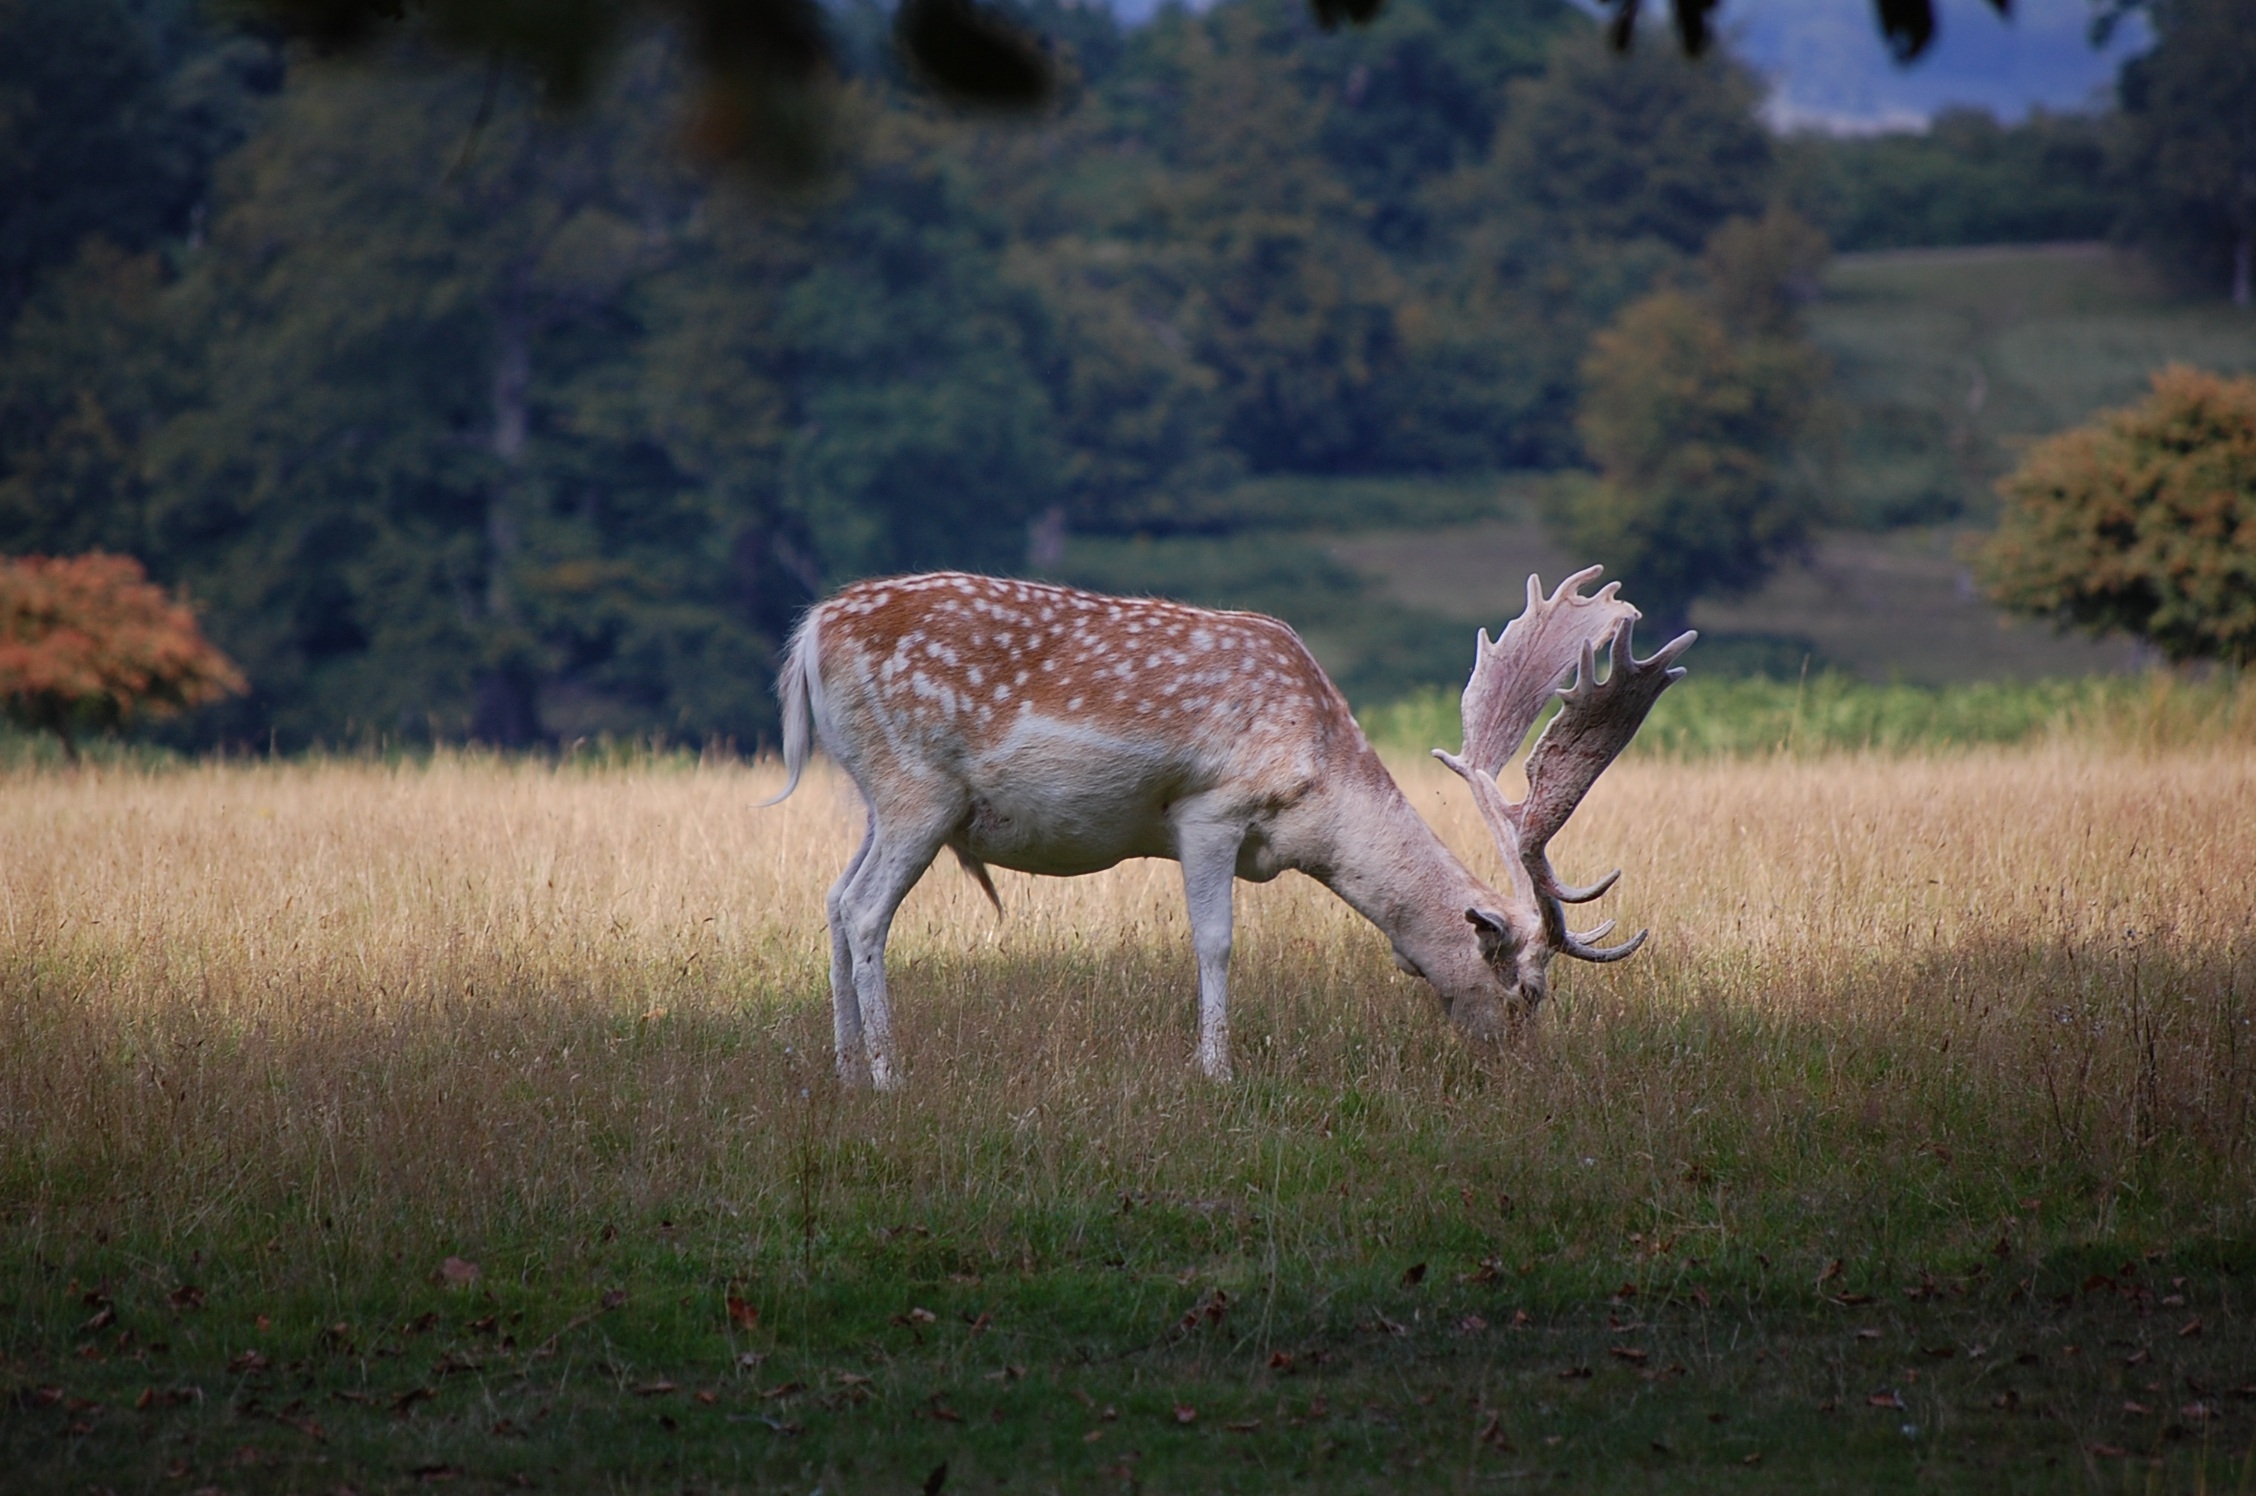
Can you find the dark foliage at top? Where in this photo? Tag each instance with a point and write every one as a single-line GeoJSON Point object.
{"type": "Point", "coordinates": [463, 413]}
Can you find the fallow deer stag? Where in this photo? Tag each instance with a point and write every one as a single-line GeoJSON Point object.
{"type": "Point", "coordinates": [1056, 731]}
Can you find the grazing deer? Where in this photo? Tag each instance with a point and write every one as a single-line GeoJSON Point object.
{"type": "Point", "coordinates": [1056, 731]}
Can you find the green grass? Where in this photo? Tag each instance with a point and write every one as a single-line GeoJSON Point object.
{"type": "Point", "coordinates": [1827, 712]}
{"type": "Point", "coordinates": [1349, 1291]}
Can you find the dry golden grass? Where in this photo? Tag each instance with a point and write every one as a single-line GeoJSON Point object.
{"type": "Point", "coordinates": [429, 1002]}
{"type": "Point", "coordinates": [1972, 1029]}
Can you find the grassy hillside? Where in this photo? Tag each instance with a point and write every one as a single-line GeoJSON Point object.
{"type": "Point", "coordinates": [1897, 606]}
{"type": "Point", "coordinates": [1951, 361]}
{"type": "Point", "coordinates": [1392, 610]}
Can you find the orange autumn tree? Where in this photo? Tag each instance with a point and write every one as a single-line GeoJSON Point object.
{"type": "Point", "coordinates": [2141, 523]}
{"type": "Point", "coordinates": [89, 642]}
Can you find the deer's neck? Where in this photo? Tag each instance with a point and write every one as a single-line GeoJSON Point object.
{"type": "Point", "coordinates": [1382, 858]}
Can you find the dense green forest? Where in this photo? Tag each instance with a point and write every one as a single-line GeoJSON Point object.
{"type": "Point", "coordinates": [462, 416]}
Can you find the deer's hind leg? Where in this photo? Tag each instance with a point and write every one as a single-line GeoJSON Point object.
{"type": "Point", "coordinates": [845, 1007]}
{"type": "Point", "coordinates": [900, 848]}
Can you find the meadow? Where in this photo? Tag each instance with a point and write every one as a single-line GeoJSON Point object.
{"type": "Point", "coordinates": [375, 1125]}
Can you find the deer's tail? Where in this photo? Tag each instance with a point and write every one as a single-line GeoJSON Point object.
{"type": "Point", "coordinates": [799, 688]}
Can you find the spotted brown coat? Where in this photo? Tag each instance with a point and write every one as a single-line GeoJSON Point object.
{"type": "Point", "coordinates": [1056, 731]}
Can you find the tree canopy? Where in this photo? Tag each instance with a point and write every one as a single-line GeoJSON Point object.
{"type": "Point", "coordinates": [464, 415]}
{"type": "Point", "coordinates": [86, 643]}
{"type": "Point", "coordinates": [764, 72]}
{"type": "Point", "coordinates": [2141, 523]}
{"type": "Point", "coordinates": [1698, 408]}
{"type": "Point", "coordinates": [2190, 105]}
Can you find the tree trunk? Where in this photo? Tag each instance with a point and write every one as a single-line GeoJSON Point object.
{"type": "Point", "coordinates": [1045, 540]}
{"type": "Point", "coordinates": [506, 709]}
{"type": "Point", "coordinates": [506, 712]}
{"type": "Point", "coordinates": [512, 384]}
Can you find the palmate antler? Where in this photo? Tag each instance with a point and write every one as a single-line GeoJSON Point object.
{"type": "Point", "coordinates": [1512, 679]}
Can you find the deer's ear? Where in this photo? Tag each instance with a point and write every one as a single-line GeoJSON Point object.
{"type": "Point", "coordinates": [1494, 933]}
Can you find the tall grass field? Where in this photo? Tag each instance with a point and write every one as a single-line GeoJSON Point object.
{"type": "Point", "coordinates": [469, 1124]}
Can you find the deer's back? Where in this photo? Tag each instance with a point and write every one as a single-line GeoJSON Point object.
{"type": "Point", "coordinates": [1072, 721]}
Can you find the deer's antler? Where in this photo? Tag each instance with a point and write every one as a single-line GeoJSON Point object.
{"type": "Point", "coordinates": [1514, 676]}
{"type": "Point", "coordinates": [1595, 723]}
{"type": "Point", "coordinates": [1512, 679]}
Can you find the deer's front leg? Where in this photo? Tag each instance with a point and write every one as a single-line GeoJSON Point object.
{"type": "Point", "coordinates": [1209, 854]}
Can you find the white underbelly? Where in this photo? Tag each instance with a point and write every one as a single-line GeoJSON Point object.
{"type": "Point", "coordinates": [1054, 798]}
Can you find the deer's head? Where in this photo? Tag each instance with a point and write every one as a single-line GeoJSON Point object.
{"type": "Point", "coordinates": [1553, 648]}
